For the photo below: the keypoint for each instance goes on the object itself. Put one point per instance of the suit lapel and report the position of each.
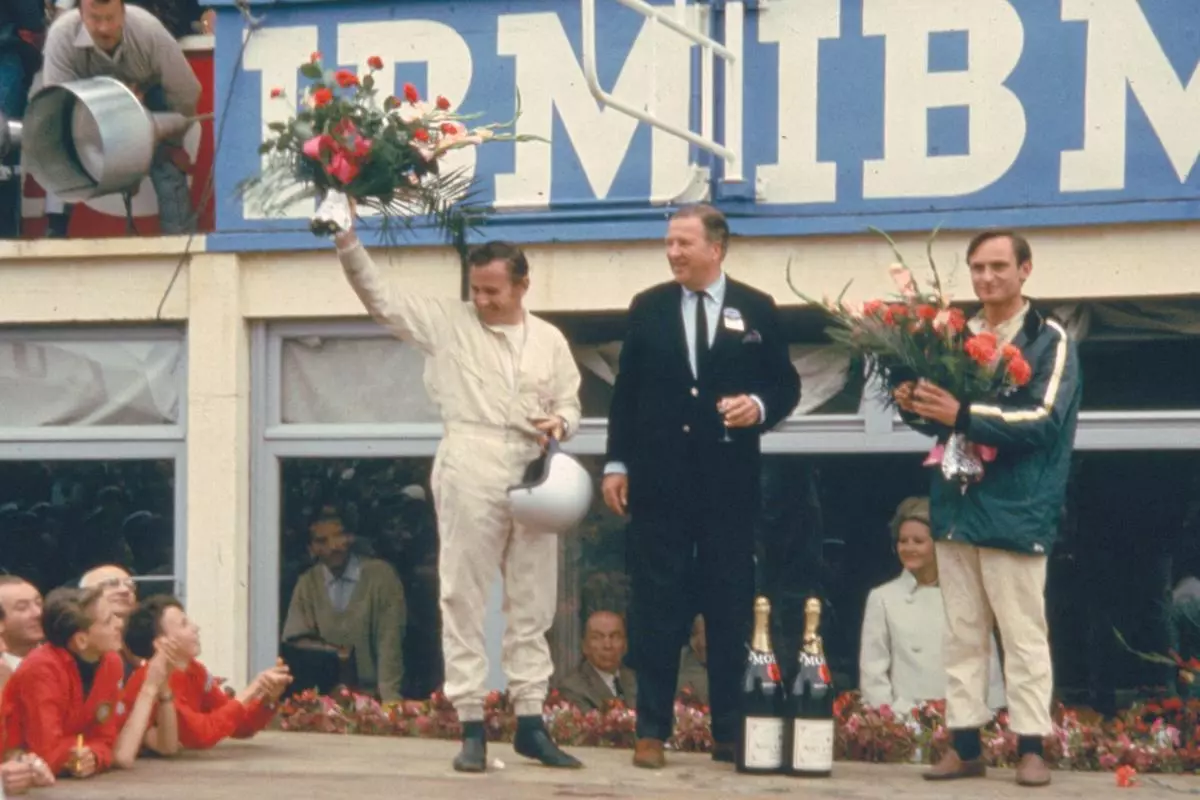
(598, 686)
(677, 332)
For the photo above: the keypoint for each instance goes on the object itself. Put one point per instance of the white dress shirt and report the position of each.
(341, 587)
(900, 661)
(712, 311)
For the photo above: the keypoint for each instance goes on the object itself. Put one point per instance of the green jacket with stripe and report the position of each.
(1018, 504)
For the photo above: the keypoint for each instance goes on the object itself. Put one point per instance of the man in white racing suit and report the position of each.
(504, 380)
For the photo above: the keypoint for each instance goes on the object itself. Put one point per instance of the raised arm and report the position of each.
(421, 320)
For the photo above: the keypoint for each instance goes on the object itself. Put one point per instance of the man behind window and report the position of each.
(125, 42)
(600, 677)
(348, 605)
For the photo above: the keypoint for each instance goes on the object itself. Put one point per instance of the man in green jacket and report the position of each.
(993, 539)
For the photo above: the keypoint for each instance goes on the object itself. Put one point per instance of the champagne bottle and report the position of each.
(760, 745)
(810, 704)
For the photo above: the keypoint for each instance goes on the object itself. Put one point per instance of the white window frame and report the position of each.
(112, 442)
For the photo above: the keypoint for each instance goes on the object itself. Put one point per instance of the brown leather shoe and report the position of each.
(725, 752)
(952, 768)
(648, 754)
(1032, 771)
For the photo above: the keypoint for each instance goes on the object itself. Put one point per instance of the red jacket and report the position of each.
(204, 713)
(45, 711)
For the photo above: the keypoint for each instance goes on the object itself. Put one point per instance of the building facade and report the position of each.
(231, 380)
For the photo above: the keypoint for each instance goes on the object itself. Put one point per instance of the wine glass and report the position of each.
(725, 437)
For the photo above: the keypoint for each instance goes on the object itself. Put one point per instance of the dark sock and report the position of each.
(1029, 744)
(531, 723)
(967, 743)
(473, 730)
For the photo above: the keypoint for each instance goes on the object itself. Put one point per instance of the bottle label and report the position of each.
(764, 742)
(812, 745)
(817, 663)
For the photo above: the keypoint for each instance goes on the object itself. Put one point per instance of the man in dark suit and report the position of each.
(704, 372)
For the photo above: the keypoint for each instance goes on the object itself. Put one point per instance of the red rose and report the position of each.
(956, 319)
(411, 94)
(982, 348)
(421, 135)
(375, 62)
(443, 103)
(449, 128)
(899, 310)
(926, 312)
(1019, 371)
(315, 57)
(322, 97)
(345, 78)
(276, 92)
(872, 307)
(1010, 352)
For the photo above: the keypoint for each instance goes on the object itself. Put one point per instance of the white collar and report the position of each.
(715, 290)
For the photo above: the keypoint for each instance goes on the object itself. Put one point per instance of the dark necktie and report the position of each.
(701, 329)
(617, 690)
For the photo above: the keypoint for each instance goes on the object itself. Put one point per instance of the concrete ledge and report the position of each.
(316, 766)
(115, 247)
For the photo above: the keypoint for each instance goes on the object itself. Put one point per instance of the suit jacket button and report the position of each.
(695, 392)
(687, 428)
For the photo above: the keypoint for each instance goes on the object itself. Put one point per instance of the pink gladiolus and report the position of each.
(903, 280)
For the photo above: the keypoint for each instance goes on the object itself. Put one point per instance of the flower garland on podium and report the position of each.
(342, 144)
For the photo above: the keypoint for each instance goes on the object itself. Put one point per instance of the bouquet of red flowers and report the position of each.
(917, 335)
(342, 143)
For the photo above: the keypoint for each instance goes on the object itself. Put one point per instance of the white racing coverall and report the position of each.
(487, 387)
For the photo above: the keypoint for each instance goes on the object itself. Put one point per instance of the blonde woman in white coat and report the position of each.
(900, 660)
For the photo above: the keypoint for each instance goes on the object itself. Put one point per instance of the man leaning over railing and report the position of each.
(111, 38)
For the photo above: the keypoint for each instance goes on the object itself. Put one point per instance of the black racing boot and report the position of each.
(532, 741)
(473, 757)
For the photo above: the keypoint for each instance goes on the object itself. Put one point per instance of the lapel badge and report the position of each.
(733, 320)
(102, 712)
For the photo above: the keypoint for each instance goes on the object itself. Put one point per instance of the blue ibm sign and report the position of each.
(903, 114)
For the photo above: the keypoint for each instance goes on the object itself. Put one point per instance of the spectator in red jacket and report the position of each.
(64, 703)
(205, 713)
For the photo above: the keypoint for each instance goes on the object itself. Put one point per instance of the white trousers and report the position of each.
(470, 477)
(979, 586)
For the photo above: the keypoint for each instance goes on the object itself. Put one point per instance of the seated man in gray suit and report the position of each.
(600, 677)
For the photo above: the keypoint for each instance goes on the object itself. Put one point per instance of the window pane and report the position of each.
(1141, 375)
(60, 518)
(340, 380)
(332, 380)
(386, 507)
(53, 382)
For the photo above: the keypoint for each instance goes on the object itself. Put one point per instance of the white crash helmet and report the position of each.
(555, 494)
